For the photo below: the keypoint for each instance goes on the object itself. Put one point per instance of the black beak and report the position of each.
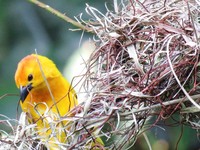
(24, 90)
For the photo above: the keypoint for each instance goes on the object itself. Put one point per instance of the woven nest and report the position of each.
(146, 63)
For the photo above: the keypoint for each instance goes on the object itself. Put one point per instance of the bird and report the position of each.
(45, 96)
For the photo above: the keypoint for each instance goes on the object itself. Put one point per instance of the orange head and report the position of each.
(31, 72)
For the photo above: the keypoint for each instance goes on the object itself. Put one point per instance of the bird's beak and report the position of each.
(24, 91)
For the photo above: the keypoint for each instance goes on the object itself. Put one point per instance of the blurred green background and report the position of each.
(25, 27)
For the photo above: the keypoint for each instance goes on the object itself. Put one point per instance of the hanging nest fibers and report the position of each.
(146, 63)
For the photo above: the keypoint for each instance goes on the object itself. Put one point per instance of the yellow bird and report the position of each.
(45, 95)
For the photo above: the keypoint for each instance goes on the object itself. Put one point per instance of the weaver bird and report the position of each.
(45, 95)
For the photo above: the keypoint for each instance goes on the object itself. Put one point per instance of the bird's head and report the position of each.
(31, 73)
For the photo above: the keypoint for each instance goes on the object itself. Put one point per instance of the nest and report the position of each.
(146, 63)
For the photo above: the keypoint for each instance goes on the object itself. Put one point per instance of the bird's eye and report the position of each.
(30, 77)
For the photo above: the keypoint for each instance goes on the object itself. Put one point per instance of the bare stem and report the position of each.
(167, 103)
(61, 15)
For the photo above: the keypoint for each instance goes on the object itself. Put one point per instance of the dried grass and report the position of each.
(146, 64)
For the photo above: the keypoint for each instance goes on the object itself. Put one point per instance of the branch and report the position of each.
(60, 15)
(171, 102)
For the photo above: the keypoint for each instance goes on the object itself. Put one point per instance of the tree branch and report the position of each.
(61, 15)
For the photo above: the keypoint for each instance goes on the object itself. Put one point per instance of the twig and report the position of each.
(8, 94)
(60, 15)
(170, 102)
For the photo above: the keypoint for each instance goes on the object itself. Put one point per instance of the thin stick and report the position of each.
(49, 89)
(175, 101)
(61, 15)
(47, 84)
